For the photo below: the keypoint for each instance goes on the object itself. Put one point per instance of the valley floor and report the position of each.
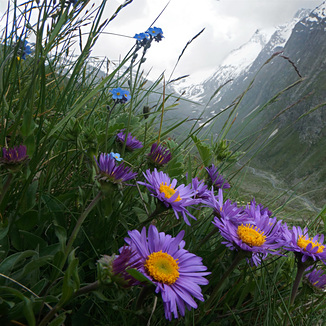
(266, 188)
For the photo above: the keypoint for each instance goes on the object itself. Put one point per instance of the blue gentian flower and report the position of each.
(141, 36)
(156, 33)
(116, 156)
(120, 95)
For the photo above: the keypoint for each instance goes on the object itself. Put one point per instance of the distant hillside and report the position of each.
(293, 124)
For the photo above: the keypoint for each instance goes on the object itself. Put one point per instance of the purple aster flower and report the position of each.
(298, 240)
(200, 189)
(111, 172)
(114, 268)
(120, 95)
(13, 158)
(217, 180)
(259, 235)
(226, 210)
(156, 33)
(175, 272)
(263, 210)
(161, 187)
(132, 143)
(159, 155)
(317, 278)
(116, 156)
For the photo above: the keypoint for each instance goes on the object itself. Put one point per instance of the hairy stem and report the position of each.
(301, 268)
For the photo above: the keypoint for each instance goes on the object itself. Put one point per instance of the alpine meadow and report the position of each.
(121, 204)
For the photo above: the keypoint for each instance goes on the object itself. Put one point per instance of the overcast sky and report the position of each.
(228, 24)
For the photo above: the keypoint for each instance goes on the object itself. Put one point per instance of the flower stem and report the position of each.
(49, 315)
(234, 264)
(208, 236)
(301, 268)
(161, 122)
(80, 222)
(107, 126)
(6, 186)
(145, 291)
(160, 208)
(86, 289)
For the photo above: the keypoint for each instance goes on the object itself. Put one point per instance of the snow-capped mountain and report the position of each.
(235, 63)
(240, 60)
(282, 79)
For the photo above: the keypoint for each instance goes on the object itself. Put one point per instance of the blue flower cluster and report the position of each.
(153, 33)
(120, 95)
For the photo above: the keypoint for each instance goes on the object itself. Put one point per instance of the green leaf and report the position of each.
(139, 276)
(57, 260)
(70, 280)
(3, 231)
(204, 150)
(141, 214)
(31, 240)
(29, 199)
(58, 320)
(28, 312)
(32, 266)
(9, 263)
(27, 221)
(61, 234)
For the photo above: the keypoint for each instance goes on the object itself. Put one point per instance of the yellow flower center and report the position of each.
(118, 93)
(162, 267)
(168, 191)
(303, 243)
(251, 236)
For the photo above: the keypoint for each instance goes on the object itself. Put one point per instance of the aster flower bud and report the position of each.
(317, 278)
(110, 173)
(159, 155)
(216, 179)
(14, 158)
(146, 110)
(115, 268)
(132, 143)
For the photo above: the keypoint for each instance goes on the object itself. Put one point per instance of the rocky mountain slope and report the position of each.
(292, 142)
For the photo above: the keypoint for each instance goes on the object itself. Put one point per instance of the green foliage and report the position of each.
(57, 218)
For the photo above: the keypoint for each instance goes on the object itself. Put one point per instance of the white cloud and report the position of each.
(228, 23)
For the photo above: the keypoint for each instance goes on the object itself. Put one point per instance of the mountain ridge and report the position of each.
(290, 69)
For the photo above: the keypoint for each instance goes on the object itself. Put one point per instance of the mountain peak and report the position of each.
(318, 14)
